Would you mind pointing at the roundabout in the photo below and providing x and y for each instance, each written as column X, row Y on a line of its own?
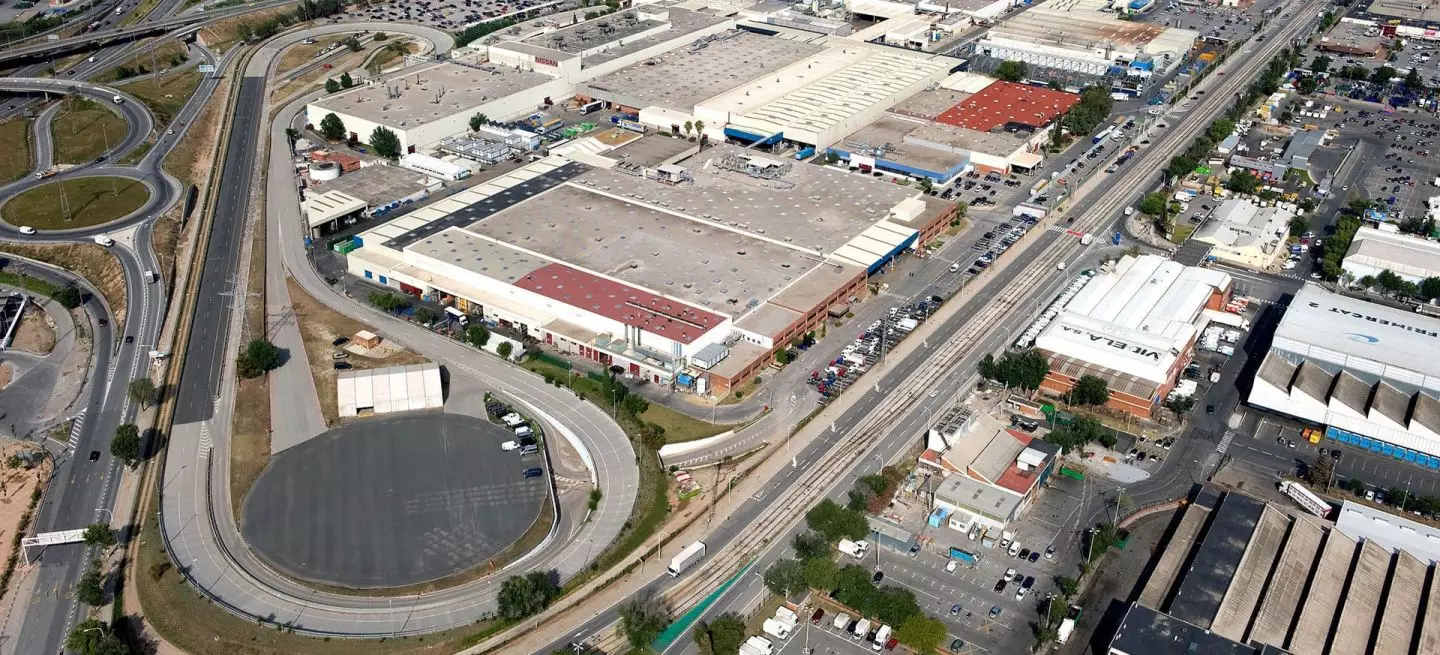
column 391, row 502
column 75, row 203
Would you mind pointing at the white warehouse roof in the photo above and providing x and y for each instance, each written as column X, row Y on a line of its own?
column 325, row 207
column 1410, row 257
column 1392, row 531
column 393, row 389
column 1363, row 337
column 1136, row 318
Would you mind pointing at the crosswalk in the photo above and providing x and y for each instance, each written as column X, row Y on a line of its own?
column 1225, row 442
column 75, row 426
column 893, row 294
column 205, row 443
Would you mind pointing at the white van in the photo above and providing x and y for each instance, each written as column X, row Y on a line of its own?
column 841, row 620
column 860, row 629
column 522, row 431
column 104, row 240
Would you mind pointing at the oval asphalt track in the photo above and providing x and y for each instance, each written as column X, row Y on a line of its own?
column 388, row 502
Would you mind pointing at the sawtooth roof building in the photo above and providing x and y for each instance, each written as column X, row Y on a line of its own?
column 1367, row 372
column 700, row 269
column 1240, row 576
column 1133, row 325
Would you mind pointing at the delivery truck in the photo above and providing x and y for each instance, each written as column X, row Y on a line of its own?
column 881, row 636
column 969, row 558
column 776, row 629
column 686, row 558
column 856, row 549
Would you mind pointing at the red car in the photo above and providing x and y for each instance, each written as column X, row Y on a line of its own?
column 327, row 66
column 890, row 645
column 819, row 614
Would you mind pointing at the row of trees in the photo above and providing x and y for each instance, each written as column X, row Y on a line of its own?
column 1023, row 370
column 1339, row 242
column 1092, row 110
column 307, row 11
column 383, row 140
column 527, row 595
column 335, row 86
column 1390, row 284
column 1084, row 430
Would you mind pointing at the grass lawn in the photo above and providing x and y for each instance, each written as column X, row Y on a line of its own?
column 222, row 35
column 91, row 200
column 387, row 55
column 165, row 54
column 250, row 429
column 164, row 94
column 304, row 52
column 679, row 427
column 15, row 139
column 1182, row 232
column 316, row 78
column 83, row 129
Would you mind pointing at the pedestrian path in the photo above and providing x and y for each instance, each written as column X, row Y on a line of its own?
column 1225, row 442
column 75, row 429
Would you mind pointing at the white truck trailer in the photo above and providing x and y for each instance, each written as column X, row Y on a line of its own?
column 686, row 558
column 856, row 549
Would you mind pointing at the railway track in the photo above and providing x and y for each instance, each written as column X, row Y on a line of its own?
column 813, row 483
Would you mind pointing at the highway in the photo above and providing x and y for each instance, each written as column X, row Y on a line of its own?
column 83, row 492
column 892, row 412
column 196, row 514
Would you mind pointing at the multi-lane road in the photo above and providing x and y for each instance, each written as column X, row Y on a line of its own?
column 83, row 492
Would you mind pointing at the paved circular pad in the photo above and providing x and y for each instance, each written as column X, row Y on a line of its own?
column 391, row 502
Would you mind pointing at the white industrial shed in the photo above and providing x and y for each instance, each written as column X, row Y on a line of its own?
column 1368, row 372
column 393, row 389
column 1373, row 251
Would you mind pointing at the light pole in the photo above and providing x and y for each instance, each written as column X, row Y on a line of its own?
column 103, row 509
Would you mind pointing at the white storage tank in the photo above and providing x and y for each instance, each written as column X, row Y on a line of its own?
column 321, row 171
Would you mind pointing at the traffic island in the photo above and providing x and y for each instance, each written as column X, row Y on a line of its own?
column 76, row 203
column 85, row 129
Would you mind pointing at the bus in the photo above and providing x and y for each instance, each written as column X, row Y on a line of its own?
column 591, row 107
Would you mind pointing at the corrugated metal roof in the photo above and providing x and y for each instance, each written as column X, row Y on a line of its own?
column 392, row 389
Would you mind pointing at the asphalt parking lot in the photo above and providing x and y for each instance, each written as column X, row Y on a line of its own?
column 395, row 501
column 450, row 15
column 1228, row 23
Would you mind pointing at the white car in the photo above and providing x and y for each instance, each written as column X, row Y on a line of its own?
column 1020, row 593
column 510, row 445
column 950, row 568
column 1009, row 574
column 1290, row 265
column 26, row 229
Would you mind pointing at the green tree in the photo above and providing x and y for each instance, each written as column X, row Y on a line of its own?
column 808, row 545
column 1068, row 587
column 388, row 302
column 69, row 297
column 1382, row 75
column 381, row 36
column 1011, row 71
column 504, row 350
column 346, row 81
column 332, row 128
column 1090, row 390
column 125, row 445
column 142, row 390
column 785, row 578
column 99, row 534
column 1024, row 370
column 923, row 633
column 835, row 522
column 1413, row 81
column 643, row 618
column 1430, row 288
column 385, row 142
column 1298, row 226
column 426, row 316
column 92, row 637
column 821, row 572
column 259, row 357
column 1322, row 471
column 91, row 588
column 723, row 636
column 353, row 44
column 331, row 86
column 1243, row 182
column 522, row 596
column 478, row 121
column 1320, row 64
column 1181, row 405
column 1153, row 204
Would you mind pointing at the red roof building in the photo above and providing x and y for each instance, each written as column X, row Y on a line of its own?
column 620, row 302
column 1007, row 103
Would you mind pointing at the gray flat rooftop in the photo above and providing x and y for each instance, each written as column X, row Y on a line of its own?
column 682, row 78
column 376, row 185
column 650, row 151
column 408, row 98
column 813, row 287
column 1402, row 607
column 892, row 131
column 479, row 255
column 1317, row 611
column 1282, row 597
column 1203, row 586
column 1362, row 600
column 1144, row 631
column 721, row 270
column 1409, row 9
column 769, row 320
column 1000, row 144
column 810, row 207
column 930, row 103
column 618, row 29
column 1251, row 575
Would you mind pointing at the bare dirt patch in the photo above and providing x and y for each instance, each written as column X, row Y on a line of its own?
column 6, row 375
column 18, row 484
column 250, row 430
column 224, row 34
column 319, row 328
column 92, row 262
column 303, row 52
column 36, row 333
column 316, row 78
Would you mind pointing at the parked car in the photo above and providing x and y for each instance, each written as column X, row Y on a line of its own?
column 534, row 472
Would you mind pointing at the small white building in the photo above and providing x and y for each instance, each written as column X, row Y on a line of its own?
column 1373, row 251
column 436, row 167
column 392, row 389
column 1245, row 234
